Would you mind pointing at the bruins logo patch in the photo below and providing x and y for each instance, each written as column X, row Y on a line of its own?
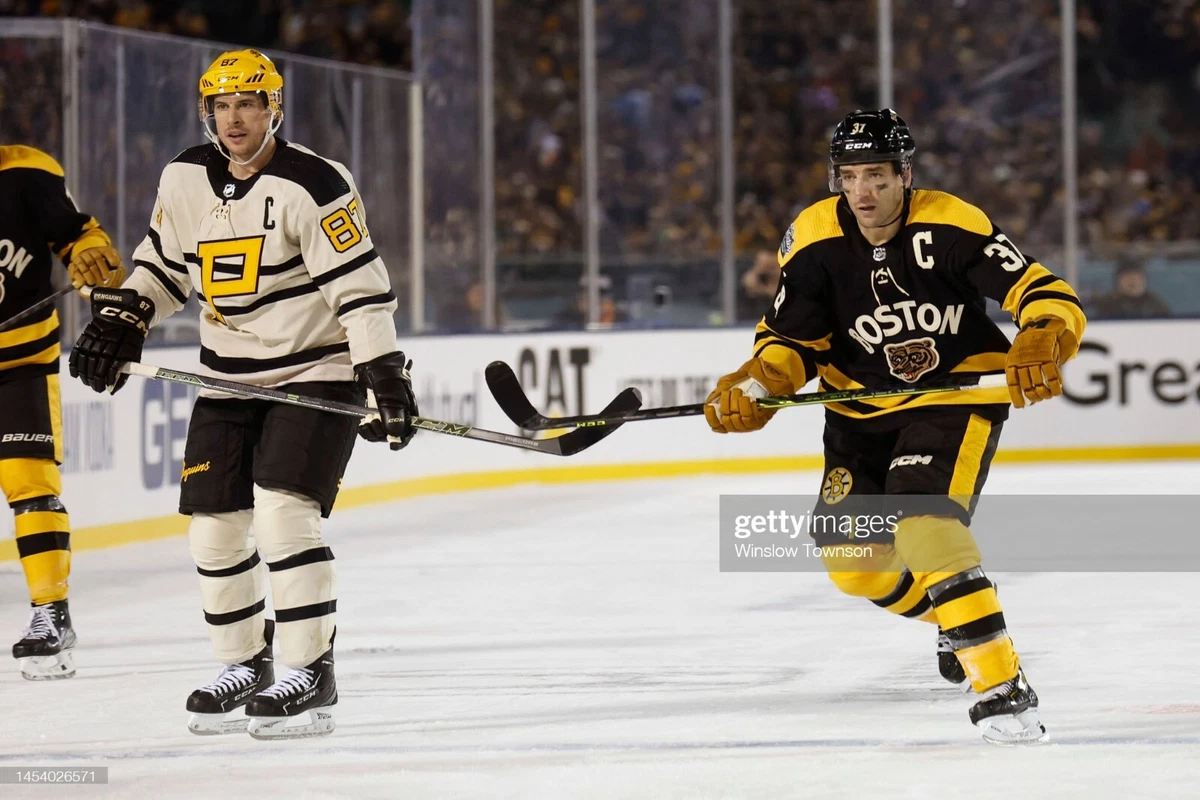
column 836, row 486
column 912, row 359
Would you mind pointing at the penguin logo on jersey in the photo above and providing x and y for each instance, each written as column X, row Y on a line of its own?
column 909, row 360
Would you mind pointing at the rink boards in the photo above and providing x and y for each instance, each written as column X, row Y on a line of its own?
column 1133, row 393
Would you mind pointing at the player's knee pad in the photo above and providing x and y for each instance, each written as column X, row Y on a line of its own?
column 220, row 542
column 286, row 524
column 29, row 478
column 935, row 548
column 863, row 571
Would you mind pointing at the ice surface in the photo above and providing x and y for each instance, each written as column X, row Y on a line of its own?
column 579, row 641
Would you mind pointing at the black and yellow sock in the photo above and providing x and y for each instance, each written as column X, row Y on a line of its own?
column 43, row 528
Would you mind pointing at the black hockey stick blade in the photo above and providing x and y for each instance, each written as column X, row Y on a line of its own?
column 506, row 389
column 568, row 444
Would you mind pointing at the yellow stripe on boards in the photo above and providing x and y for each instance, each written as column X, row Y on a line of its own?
column 145, row 530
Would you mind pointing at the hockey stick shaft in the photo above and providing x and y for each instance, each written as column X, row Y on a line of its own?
column 333, row 406
column 36, row 307
column 506, row 389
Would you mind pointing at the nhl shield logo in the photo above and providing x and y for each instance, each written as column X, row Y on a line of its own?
column 880, row 254
column 229, row 190
column 909, row 360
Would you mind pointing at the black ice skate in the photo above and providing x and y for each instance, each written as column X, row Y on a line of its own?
column 45, row 649
column 304, row 697
column 211, row 705
column 949, row 665
column 1008, row 714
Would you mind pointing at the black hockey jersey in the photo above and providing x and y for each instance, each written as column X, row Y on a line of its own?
column 907, row 312
column 38, row 221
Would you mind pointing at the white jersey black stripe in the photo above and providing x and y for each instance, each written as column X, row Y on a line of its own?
column 290, row 284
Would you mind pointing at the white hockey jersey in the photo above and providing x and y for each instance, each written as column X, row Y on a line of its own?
column 290, row 286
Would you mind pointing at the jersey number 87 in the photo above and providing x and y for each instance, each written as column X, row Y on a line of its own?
column 341, row 228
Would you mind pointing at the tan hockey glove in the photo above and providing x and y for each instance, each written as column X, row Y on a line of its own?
column 96, row 266
column 1037, row 352
column 731, row 407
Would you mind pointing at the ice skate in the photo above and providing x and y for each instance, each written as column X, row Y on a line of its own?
column 949, row 665
column 298, row 706
column 1008, row 714
column 45, row 649
column 213, row 707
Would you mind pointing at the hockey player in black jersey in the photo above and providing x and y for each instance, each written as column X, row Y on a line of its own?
column 38, row 223
column 886, row 285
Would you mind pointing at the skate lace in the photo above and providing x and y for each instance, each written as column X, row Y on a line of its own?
column 235, row 676
column 295, row 682
column 41, row 625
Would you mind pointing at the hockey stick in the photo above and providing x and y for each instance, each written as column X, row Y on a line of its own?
column 506, row 389
column 38, row 306
column 566, row 445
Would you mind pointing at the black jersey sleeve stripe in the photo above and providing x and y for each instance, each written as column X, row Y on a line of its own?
column 26, row 349
column 158, row 250
column 165, row 282
column 375, row 299
column 347, row 268
column 1045, row 280
column 243, row 366
column 1043, row 294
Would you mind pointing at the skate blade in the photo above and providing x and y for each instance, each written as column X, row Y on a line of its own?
column 216, row 724
column 48, row 668
column 1024, row 728
column 320, row 723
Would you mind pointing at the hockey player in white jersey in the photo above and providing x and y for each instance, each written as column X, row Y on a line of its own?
column 293, row 295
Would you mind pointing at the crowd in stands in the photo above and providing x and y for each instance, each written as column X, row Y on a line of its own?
column 980, row 83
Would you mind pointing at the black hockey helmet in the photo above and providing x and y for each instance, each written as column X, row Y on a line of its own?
column 869, row 137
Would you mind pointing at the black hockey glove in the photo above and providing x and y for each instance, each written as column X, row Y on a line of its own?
column 387, row 380
column 120, row 321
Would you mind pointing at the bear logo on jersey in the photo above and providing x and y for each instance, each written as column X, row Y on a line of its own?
column 912, row 359
column 836, row 486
